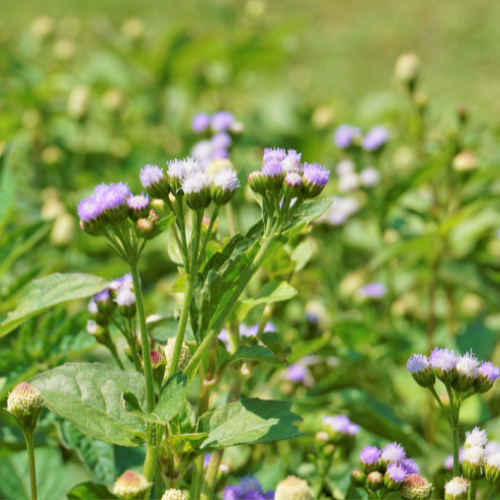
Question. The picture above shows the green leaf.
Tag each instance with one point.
(7, 192)
(89, 397)
(173, 394)
(302, 254)
(185, 420)
(165, 223)
(257, 351)
(249, 421)
(180, 284)
(15, 476)
(90, 491)
(306, 213)
(274, 291)
(97, 457)
(47, 292)
(131, 405)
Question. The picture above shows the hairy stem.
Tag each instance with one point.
(30, 445)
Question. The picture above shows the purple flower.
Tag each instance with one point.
(316, 174)
(375, 138)
(417, 363)
(250, 482)
(396, 472)
(345, 134)
(296, 373)
(269, 495)
(271, 154)
(253, 495)
(233, 493)
(448, 462)
(200, 122)
(369, 455)
(338, 423)
(102, 296)
(251, 331)
(410, 466)
(272, 168)
(222, 121)
(138, 202)
(219, 153)
(393, 453)
(206, 459)
(89, 209)
(443, 359)
(489, 371)
(151, 175)
(222, 140)
(373, 291)
(112, 197)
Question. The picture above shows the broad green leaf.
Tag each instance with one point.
(47, 292)
(97, 457)
(249, 421)
(131, 405)
(165, 223)
(306, 213)
(279, 264)
(185, 420)
(89, 397)
(90, 491)
(274, 291)
(15, 476)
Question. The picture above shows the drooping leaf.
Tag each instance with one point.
(90, 491)
(89, 397)
(47, 292)
(249, 421)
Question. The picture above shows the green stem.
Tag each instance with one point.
(438, 399)
(150, 462)
(215, 213)
(31, 458)
(197, 477)
(454, 413)
(268, 311)
(207, 341)
(132, 342)
(472, 489)
(489, 491)
(230, 218)
(182, 230)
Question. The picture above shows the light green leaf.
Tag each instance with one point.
(185, 420)
(307, 212)
(15, 476)
(131, 404)
(274, 291)
(173, 394)
(249, 421)
(7, 193)
(89, 397)
(173, 249)
(302, 254)
(256, 352)
(48, 292)
(90, 491)
(180, 284)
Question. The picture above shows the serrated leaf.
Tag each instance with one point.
(249, 421)
(90, 491)
(47, 292)
(89, 397)
(273, 291)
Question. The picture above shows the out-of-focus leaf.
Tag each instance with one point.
(90, 491)
(255, 352)
(302, 254)
(47, 292)
(273, 291)
(7, 192)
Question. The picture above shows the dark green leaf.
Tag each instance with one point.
(90, 491)
(172, 396)
(256, 351)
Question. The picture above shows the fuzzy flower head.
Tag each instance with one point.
(396, 472)
(139, 206)
(492, 469)
(410, 466)
(222, 140)
(421, 370)
(24, 400)
(415, 487)
(293, 488)
(125, 298)
(338, 423)
(444, 363)
(369, 459)
(225, 184)
(476, 437)
(296, 373)
(345, 135)
(154, 181)
(130, 485)
(292, 162)
(232, 493)
(492, 448)
(315, 178)
(486, 376)
(200, 122)
(92, 307)
(376, 138)
(274, 154)
(456, 489)
(250, 482)
(112, 197)
(393, 453)
(473, 461)
(173, 494)
(467, 369)
(89, 209)
(196, 187)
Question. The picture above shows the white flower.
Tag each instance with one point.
(202, 150)
(348, 182)
(474, 455)
(92, 307)
(345, 167)
(226, 179)
(476, 437)
(196, 182)
(494, 460)
(492, 448)
(193, 166)
(91, 327)
(125, 297)
(457, 487)
(341, 210)
(467, 365)
(292, 165)
(176, 169)
(369, 177)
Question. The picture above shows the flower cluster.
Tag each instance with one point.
(340, 430)
(246, 331)
(388, 469)
(348, 136)
(463, 372)
(249, 488)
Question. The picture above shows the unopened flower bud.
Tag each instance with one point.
(322, 437)
(486, 376)
(25, 403)
(97, 331)
(456, 489)
(130, 486)
(292, 185)
(467, 368)
(492, 469)
(225, 184)
(394, 477)
(184, 358)
(369, 459)
(256, 182)
(125, 298)
(374, 481)
(197, 190)
(145, 228)
(139, 206)
(315, 178)
(415, 487)
(444, 363)
(421, 370)
(154, 181)
(407, 69)
(173, 494)
(472, 462)
(293, 488)
(157, 359)
(465, 161)
(358, 478)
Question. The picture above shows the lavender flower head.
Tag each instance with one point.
(444, 363)
(102, 297)
(492, 448)
(316, 174)
(139, 202)
(278, 154)
(112, 197)
(250, 482)
(417, 363)
(253, 495)
(372, 291)
(232, 493)
(345, 134)
(489, 371)
(222, 121)
(393, 453)
(151, 175)
(125, 297)
(369, 455)
(219, 153)
(353, 429)
(467, 365)
(296, 373)
(89, 209)
(292, 162)
(226, 179)
(222, 140)
(396, 472)
(448, 463)
(92, 307)
(410, 466)
(272, 168)
(341, 424)
(200, 122)
(375, 138)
